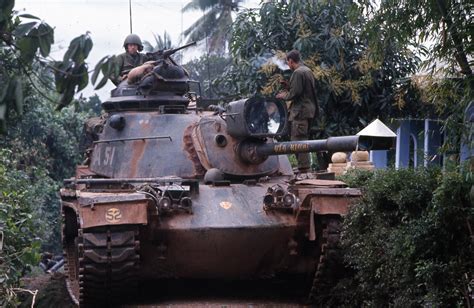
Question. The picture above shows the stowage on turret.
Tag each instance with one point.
(168, 190)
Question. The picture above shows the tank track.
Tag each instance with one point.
(102, 266)
(70, 268)
(329, 266)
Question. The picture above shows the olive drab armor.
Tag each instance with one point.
(133, 39)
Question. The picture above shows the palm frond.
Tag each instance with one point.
(215, 23)
(201, 27)
(200, 5)
(161, 42)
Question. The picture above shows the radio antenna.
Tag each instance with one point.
(130, 7)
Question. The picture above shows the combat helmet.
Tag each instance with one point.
(133, 39)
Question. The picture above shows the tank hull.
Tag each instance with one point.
(228, 236)
(167, 193)
(226, 253)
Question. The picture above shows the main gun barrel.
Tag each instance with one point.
(254, 152)
(332, 144)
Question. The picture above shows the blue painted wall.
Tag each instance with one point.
(417, 144)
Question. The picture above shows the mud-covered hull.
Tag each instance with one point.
(173, 193)
(229, 235)
(228, 253)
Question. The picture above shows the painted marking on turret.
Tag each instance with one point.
(109, 156)
(96, 158)
(225, 205)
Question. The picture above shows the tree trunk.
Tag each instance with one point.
(460, 54)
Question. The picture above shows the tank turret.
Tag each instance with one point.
(255, 119)
(240, 139)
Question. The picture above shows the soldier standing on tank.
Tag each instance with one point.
(304, 107)
(131, 58)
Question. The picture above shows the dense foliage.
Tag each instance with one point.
(39, 146)
(409, 240)
(442, 32)
(19, 227)
(353, 86)
(40, 149)
(445, 25)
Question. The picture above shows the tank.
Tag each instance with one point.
(170, 190)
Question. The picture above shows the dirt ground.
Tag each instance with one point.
(51, 291)
(192, 293)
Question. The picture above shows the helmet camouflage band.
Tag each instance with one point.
(133, 39)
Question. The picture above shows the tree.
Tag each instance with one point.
(91, 106)
(440, 30)
(25, 42)
(445, 26)
(215, 22)
(353, 85)
(19, 249)
(39, 147)
(39, 150)
(19, 43)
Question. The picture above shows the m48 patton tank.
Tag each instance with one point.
(170, 191)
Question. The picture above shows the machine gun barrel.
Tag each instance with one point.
(254, 153)
(165, 53)
(169, 52)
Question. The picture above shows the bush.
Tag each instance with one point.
(408, 240)
(20, 228)
(40, 149)
(44, 146)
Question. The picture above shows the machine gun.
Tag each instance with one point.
(160, 56)
(166, 74)
(163, 54)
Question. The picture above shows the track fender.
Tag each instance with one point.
(327, 205)
(116, 213)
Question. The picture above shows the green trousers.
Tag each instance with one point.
(300, 131)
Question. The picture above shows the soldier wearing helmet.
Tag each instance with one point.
(131, 58)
